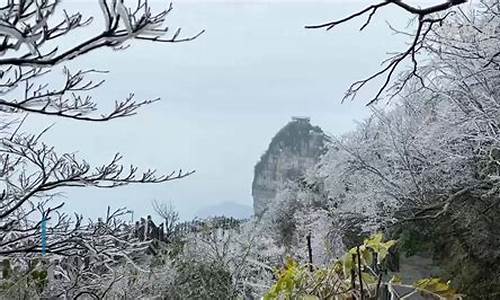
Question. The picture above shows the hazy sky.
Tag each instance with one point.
(224, 95)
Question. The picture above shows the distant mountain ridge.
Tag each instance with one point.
(226, 209)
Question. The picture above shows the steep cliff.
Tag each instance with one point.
(294, 149)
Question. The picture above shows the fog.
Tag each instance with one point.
(224, 96)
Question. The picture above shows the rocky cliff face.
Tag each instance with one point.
(294, 149)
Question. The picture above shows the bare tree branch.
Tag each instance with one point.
(425, 24)
(32, 173)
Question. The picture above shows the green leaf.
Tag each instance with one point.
(375, 242)
(368, 278)
(367, 256)
(287, 280)
(437, 286)
(348, 264)
(375, 239)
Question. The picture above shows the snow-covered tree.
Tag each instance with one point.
(32, 172)
(430, 160)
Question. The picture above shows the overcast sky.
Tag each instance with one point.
(224, 95)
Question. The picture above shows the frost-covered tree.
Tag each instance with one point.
(32, 172)
(427, 165)
(170, 217)
(295, 213)
(226, 263)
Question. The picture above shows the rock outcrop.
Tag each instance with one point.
(294, 149)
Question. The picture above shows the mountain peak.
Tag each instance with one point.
(295, 148)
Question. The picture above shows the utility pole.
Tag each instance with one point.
(131, 212)
(309, 251)
(44, 235)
